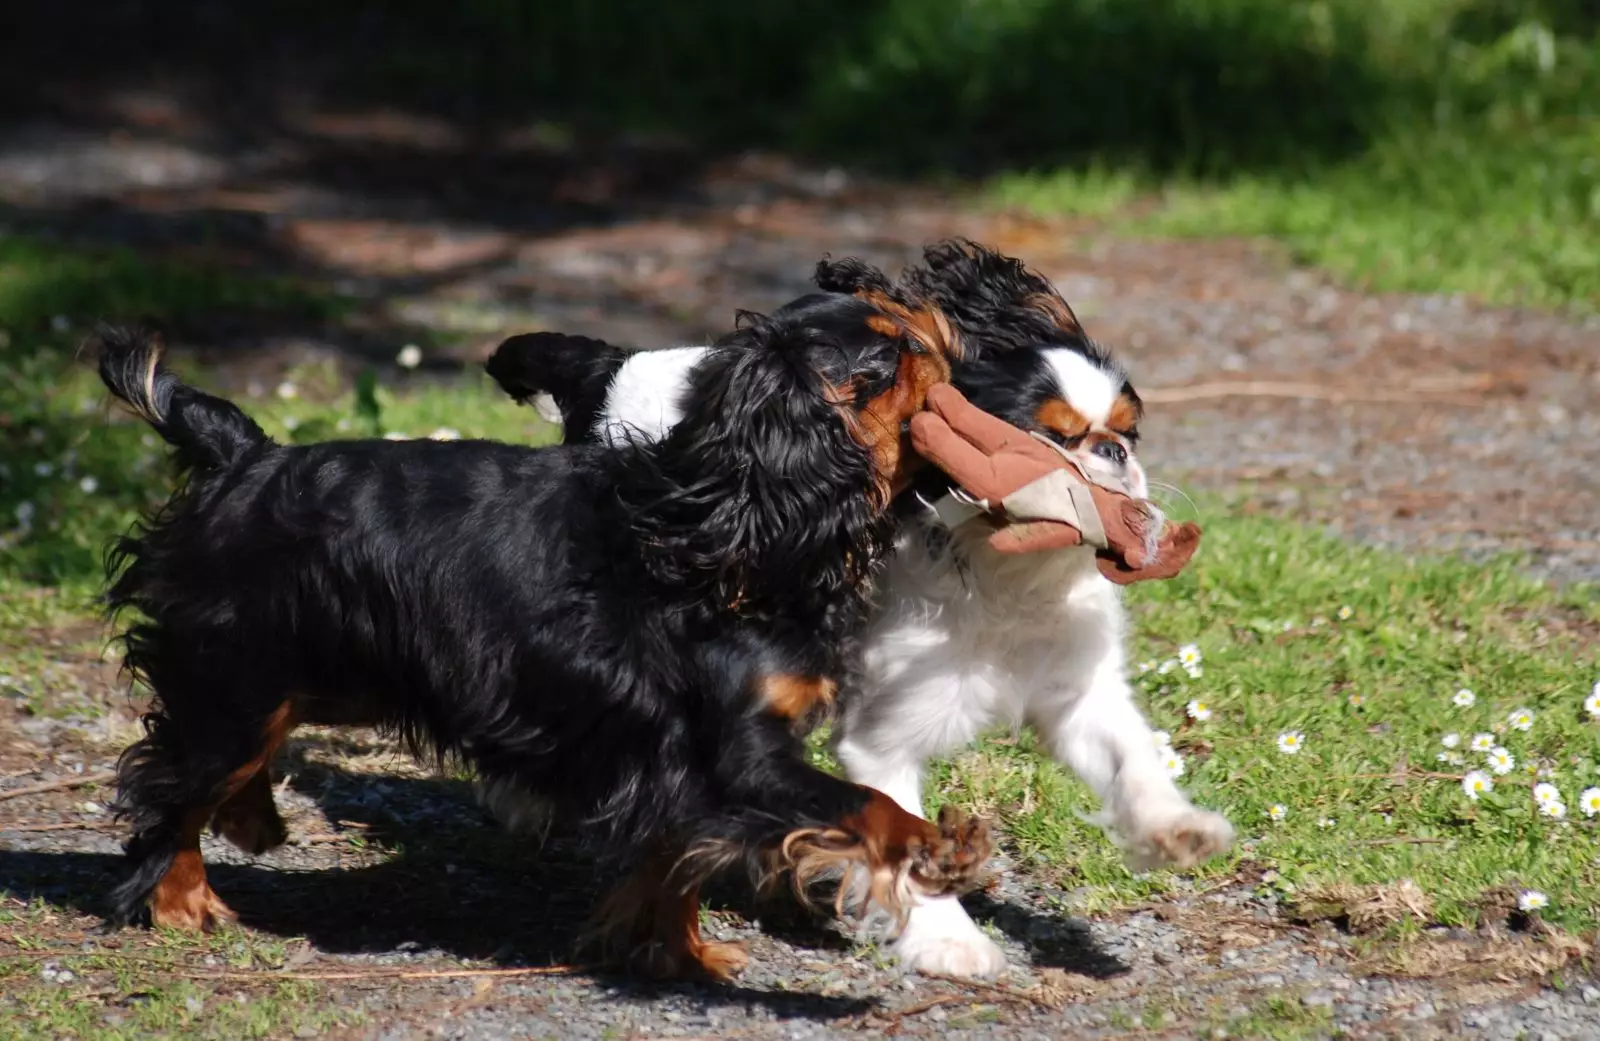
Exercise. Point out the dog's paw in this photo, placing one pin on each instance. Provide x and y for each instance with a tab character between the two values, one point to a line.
1180	840
940	940
953	859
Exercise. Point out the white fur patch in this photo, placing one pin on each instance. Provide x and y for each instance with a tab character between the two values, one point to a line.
1088	388
645	399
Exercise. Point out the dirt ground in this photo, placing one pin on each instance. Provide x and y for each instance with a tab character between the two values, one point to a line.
1427	423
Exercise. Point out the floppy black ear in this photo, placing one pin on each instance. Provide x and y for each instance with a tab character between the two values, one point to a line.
770	495
573	370
996	301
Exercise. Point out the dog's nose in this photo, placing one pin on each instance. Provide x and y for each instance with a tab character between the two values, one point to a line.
1112	451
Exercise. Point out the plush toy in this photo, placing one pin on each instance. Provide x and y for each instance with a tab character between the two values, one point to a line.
1028	484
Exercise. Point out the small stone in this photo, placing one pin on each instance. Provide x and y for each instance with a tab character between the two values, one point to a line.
1591	995
1318	999
1423	1011
1271	979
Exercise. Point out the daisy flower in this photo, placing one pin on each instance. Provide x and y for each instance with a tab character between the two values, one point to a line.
396	435
1545	794
1199	710
410	356
1146	666
1325	823
1194	671
1161	738
291	423
1501	761
1591	704
1346	613
1482	742
1357	700
1166	666
1589	802
1477	783
1532	900
1189	654
1450	740
1290	742
1463	698
1554	810
1277	811
445	434
89	485
1448	757
1521	719
1172	763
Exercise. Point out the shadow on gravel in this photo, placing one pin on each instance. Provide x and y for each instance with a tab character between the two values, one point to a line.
1052	941
523	913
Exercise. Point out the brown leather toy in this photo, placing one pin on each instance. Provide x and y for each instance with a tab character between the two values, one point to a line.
1043	499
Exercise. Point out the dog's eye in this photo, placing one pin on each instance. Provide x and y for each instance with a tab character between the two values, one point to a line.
1064	440
916	347
1131	436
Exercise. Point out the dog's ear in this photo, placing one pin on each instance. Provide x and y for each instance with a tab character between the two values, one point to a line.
770	479
997	301
851	275
573	371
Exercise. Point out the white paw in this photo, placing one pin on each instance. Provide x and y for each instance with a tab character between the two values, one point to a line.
940	940
519	811
1180	839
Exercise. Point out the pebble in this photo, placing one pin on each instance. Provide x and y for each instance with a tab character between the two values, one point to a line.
1318	999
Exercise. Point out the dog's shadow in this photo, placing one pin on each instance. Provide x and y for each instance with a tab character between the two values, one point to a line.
457	883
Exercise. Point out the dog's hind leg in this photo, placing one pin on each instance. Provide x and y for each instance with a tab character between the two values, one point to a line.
170	784
650	924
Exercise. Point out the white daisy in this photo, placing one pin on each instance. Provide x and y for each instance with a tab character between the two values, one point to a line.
1591	704
1589	802
1346	613
1291	741
1357	700
1476	783
1194	671
1172	763
288	391
1189	654
1482	742
1448	757
396	435
1450	740
89	485
1198	710
1161	738
410	356
1521	719
1325	823
291	423
1277	811
1463	698
1501	761
446	434
1544	794
1288	624
1146	666
1166	666
1532	900
344	424
1555	810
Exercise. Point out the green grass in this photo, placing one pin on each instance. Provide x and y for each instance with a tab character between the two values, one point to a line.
1371	693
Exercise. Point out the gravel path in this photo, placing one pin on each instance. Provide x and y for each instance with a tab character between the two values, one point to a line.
1426	423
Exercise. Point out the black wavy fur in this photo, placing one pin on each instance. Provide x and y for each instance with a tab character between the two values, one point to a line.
1007	315
592	624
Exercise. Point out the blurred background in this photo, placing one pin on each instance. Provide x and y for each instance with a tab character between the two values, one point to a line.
297	192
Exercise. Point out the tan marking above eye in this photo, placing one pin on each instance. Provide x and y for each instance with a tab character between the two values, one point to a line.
1057	310
1062	418
1125	414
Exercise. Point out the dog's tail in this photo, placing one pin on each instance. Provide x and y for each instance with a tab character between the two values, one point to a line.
564	377
208	432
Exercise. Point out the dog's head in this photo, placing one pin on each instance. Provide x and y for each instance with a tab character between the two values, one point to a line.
1026	358
794	440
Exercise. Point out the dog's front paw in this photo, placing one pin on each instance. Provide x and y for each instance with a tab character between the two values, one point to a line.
940	940
953	858
1179	840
